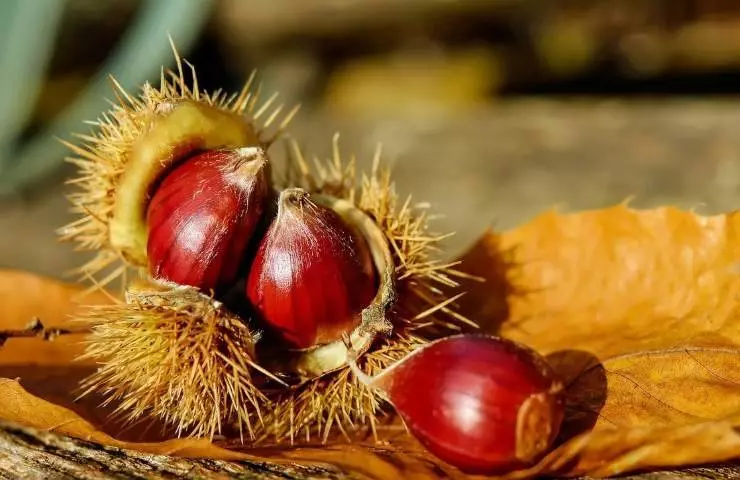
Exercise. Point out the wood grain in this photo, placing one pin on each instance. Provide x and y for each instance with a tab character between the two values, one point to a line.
27	453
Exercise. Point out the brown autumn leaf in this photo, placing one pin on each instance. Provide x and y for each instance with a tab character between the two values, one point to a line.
25	297
638	310
39	383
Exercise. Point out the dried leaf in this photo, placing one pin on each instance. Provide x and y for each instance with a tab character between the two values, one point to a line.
402	459
25	297
39	381
21	407
638	310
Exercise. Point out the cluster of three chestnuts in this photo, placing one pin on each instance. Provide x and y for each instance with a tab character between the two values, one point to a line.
478	402
310	273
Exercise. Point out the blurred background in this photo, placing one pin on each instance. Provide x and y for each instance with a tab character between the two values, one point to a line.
491	110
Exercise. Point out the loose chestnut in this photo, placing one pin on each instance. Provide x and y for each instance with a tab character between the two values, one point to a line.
483	404
203	216
313	274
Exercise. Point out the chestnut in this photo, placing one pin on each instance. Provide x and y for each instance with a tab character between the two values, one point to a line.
203	215
178	128
312	275
165	188
481	403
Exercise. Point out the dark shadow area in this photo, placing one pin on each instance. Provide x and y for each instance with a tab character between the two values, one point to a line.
606	83
486	298
585	389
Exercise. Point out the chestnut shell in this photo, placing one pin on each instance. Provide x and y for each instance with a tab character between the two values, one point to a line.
484	404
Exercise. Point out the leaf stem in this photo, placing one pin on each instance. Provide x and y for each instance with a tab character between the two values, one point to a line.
36	328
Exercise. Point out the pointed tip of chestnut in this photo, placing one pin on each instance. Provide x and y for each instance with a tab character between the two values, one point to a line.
293	201
489	404
250	160
203	215
294	194
249	168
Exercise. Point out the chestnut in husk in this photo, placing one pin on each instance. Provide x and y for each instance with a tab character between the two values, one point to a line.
203	215
171	193
312	274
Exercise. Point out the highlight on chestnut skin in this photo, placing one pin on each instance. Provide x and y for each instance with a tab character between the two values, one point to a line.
312	274
203	215
481	403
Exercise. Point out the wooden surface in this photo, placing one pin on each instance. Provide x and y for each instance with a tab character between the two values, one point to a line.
29	454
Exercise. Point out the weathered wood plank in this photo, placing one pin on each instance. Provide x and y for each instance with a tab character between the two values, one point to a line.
26	453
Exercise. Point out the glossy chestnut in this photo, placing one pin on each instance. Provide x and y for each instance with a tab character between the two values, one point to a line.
313	273
481	403
203	215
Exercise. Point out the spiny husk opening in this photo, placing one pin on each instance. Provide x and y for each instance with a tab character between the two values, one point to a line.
316	409
174	353
104	155
335	404
426	284
188	127
425	306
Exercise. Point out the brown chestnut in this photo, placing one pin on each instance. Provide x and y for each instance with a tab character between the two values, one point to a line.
203	216
312	275
481	403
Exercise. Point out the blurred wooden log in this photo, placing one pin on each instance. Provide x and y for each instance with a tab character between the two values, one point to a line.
28	453
565	39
